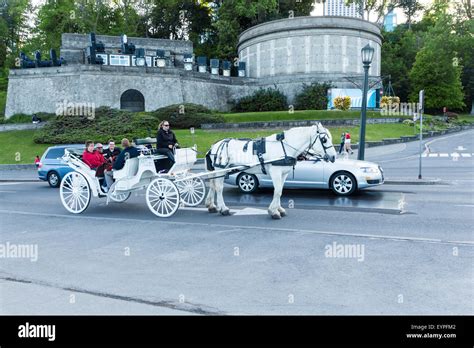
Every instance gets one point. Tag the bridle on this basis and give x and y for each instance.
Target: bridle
(322, 141)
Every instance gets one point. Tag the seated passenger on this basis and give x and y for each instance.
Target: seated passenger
(127, 152)
(93, 158)
(166, 140)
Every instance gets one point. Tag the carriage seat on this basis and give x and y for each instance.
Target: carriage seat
(129, 170)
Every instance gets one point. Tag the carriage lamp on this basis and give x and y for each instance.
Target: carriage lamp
(215, 66)
(160, 59)
(202, 64)
(367, 53)
(188, 62)
(242, 69)
(226, 68)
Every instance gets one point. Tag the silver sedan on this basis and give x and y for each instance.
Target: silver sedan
(343, 177)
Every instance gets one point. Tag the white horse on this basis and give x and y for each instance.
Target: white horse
(286, 147)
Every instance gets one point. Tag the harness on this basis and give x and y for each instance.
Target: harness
(259, 149)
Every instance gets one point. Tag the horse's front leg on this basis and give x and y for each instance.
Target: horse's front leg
(210, 197)
(219, 187)
(277, 179)
(280, 208)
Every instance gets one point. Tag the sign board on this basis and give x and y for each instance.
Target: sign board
(356, 97)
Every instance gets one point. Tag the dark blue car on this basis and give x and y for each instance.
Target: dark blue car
(51, 168)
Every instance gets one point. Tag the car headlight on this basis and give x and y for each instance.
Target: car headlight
(369, 170)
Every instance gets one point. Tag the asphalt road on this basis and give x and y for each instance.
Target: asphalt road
(413, 249)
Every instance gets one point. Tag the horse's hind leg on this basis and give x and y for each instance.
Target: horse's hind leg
(210, 197)
(219, 187)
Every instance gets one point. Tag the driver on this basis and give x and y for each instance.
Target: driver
(166, 140)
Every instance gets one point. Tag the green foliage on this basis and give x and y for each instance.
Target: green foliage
(183, 116)
(398, 55)
(435, 72)
(270, 99)
(313, 97)
(117, 124)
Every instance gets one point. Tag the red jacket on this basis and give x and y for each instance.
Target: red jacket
(348, 136)
(93, 159)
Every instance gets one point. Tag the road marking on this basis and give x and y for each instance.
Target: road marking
(424, 155)
(466, 155)
(245, 228)
(465, 205)
(251, 211)
(433, 155)
(10, 183)
(444, 155)
(461, 148)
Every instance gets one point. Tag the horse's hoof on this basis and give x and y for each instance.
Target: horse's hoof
(225, 212)
(283, 213)
(212, 210)
(276, 216)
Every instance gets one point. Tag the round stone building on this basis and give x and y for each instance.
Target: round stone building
(328, 48)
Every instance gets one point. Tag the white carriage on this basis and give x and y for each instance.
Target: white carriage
(165, 192)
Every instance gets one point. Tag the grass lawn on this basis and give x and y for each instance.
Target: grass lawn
(297, 115)
(18, 147)
(466, 117)
(204, 138)
(21, 142)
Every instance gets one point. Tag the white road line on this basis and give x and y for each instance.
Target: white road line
(246, 228)
(433, 155)
(444, 155)
(466, 155)
(251, 211)
(424, 155)
(465, 205)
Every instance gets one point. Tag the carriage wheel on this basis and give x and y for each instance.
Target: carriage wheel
(191, 191)
(75, 192)
(162, 197)
(118, 197)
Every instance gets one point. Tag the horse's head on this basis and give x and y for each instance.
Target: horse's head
(321, 144)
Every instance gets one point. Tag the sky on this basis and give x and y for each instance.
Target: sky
(318, 10)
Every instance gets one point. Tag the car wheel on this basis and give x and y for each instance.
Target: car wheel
(343, 184)
(247, 183)
(53, 179)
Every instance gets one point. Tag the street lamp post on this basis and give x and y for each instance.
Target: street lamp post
(367, 55)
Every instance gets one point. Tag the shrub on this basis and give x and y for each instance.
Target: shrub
(117, 124)
(342, 103)
(183, 116)
(313, 97)
(408, 122)
(270, 99)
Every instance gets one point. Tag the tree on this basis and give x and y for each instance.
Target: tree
(399, 50)
(368, 7)
(234, 16)
(13, 29)
(409, 8)
(434, 70)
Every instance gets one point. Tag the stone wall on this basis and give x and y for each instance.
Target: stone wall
(104, 85)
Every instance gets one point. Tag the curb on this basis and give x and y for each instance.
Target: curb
(417, 182)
